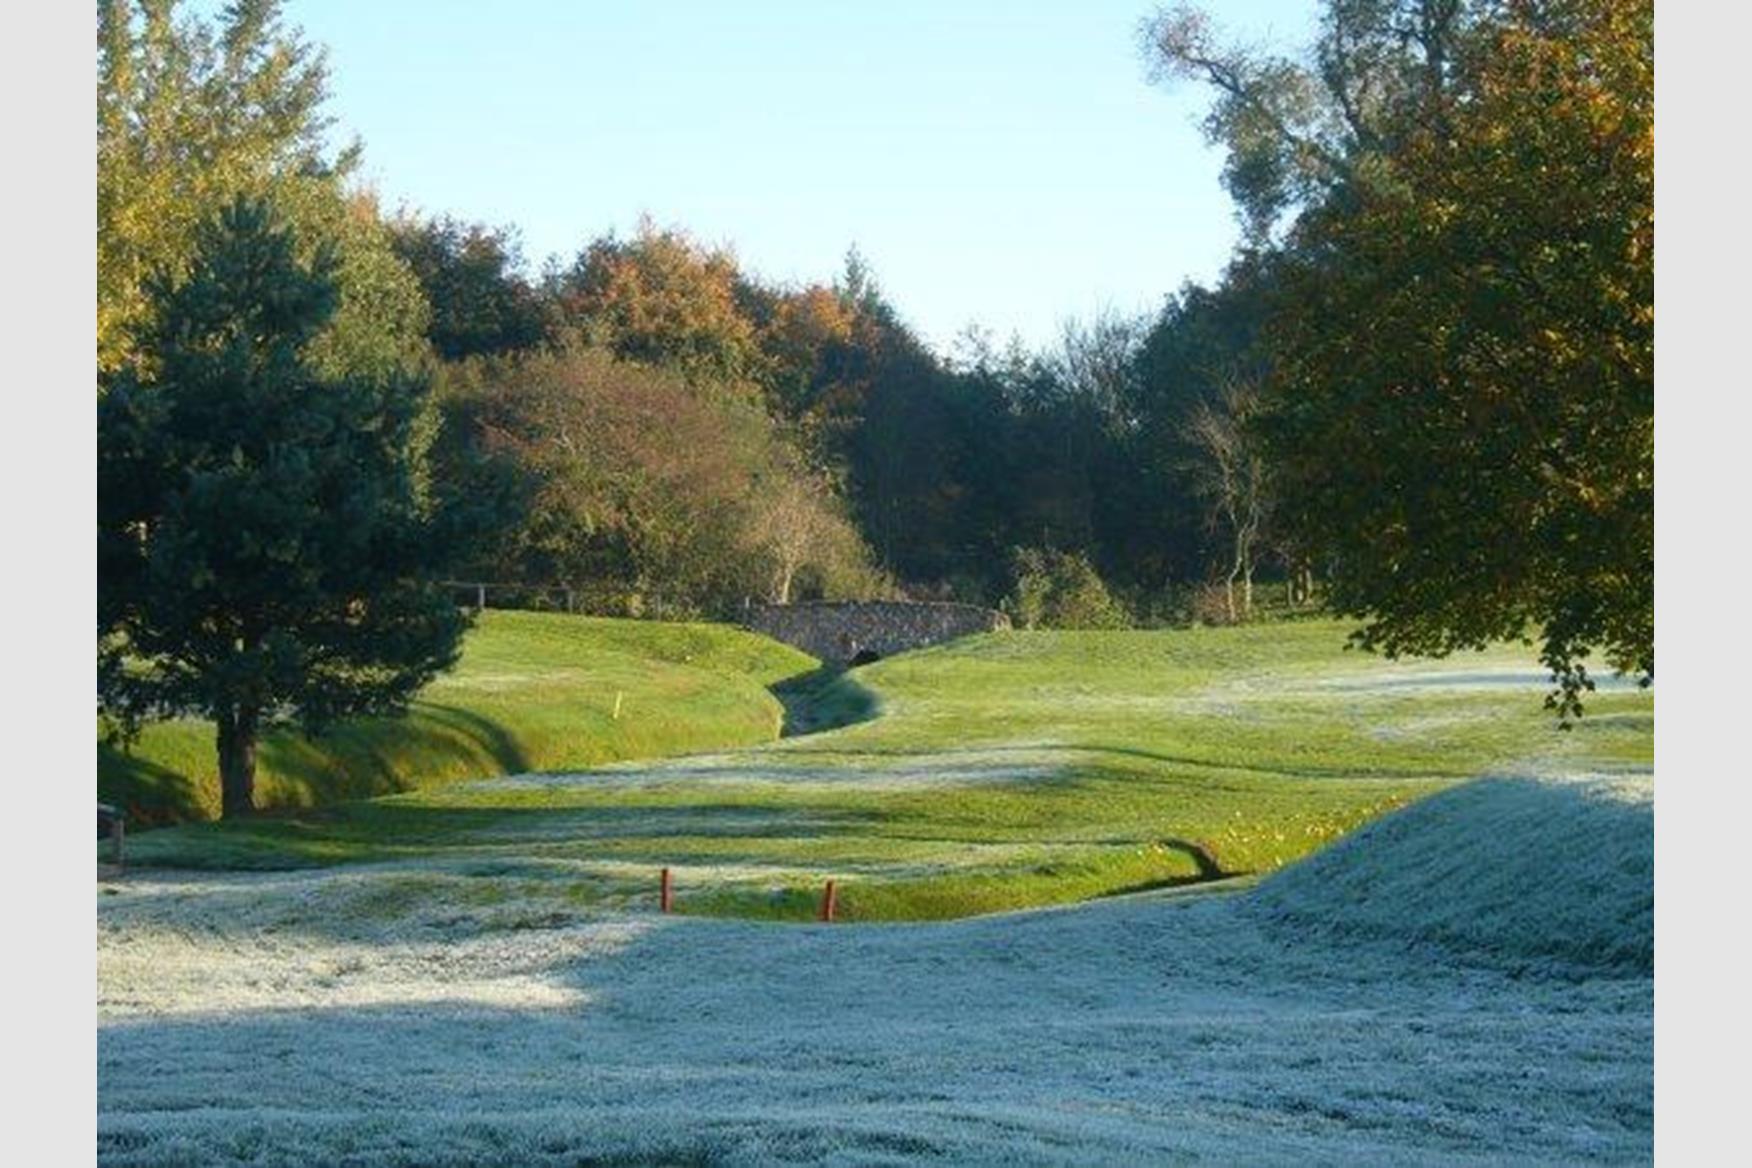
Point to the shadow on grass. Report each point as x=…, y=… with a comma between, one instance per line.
x=296, y=771
x=824, y=698
x=150, y=795
x=928, y=801
x=918, y=1020
x=382, y=756
x=368, y=831
x=1300, y=770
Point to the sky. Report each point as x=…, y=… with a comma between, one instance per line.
x=1005, y=164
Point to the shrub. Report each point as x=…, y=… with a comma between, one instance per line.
x=1060, y=590
x=1210, y=605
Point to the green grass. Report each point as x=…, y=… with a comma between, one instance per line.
x=1000, y=772
x=533, y=691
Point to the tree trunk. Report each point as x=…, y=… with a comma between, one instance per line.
x=786, y=571
x=237, y=762
x=1235, y=569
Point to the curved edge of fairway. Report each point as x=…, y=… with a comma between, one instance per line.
x=532, y=692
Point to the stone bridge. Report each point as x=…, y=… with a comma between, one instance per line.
x=853, y=632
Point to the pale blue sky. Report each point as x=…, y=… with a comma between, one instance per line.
x=1004, y=163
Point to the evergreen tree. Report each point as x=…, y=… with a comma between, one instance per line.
x=266, y=549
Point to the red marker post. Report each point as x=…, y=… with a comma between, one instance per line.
x=666, y=895
x=829, y=903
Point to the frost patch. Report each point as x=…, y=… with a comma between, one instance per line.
x=232, y=946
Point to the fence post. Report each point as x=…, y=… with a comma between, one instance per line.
x=480, y=598
x=829, y=903
x=666, y=892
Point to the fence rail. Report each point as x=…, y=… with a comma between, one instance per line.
x=479, y=589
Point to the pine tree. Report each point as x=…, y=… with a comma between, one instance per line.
x=266, y=551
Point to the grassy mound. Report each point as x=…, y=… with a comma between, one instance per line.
x=1538, y=876
x=533, y=691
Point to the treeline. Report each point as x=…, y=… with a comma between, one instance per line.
x=1423, y=387
x=661, y=431
x=672, y=431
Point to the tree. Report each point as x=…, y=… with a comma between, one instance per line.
x=789, y=524
x=266, y=549
x=639, y=481
x=191, y=115
x=1297, y=133
x=1231, y=474
x=481, y=304
x=1460, y=406
x=662, y=299
x=806, y=339
x=1201, y=340
x=1060, y=590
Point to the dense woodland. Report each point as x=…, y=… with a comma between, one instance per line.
x=1421, y=394
x=665, y=432
x=673, y=434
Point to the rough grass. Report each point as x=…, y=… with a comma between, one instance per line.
x=1000, y=772
x=533, y=691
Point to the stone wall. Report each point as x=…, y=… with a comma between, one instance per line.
x=854, y=631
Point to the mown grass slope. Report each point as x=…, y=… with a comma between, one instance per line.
x=1003, y=771
x=533, y=691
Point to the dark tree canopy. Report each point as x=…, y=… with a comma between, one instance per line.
x=266, y=549
x=481, y=303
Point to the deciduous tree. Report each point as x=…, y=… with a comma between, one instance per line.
x=663, y=299
x=640, y=481
x=191, y=114
x=481, y=303
x=1460, y=404
x=1231, y=474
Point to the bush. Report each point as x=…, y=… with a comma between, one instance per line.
x=1210, y=605
x=1060, y=590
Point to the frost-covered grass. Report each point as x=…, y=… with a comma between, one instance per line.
x=1000, y=772
x=533, y=691
x=1465, y=981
